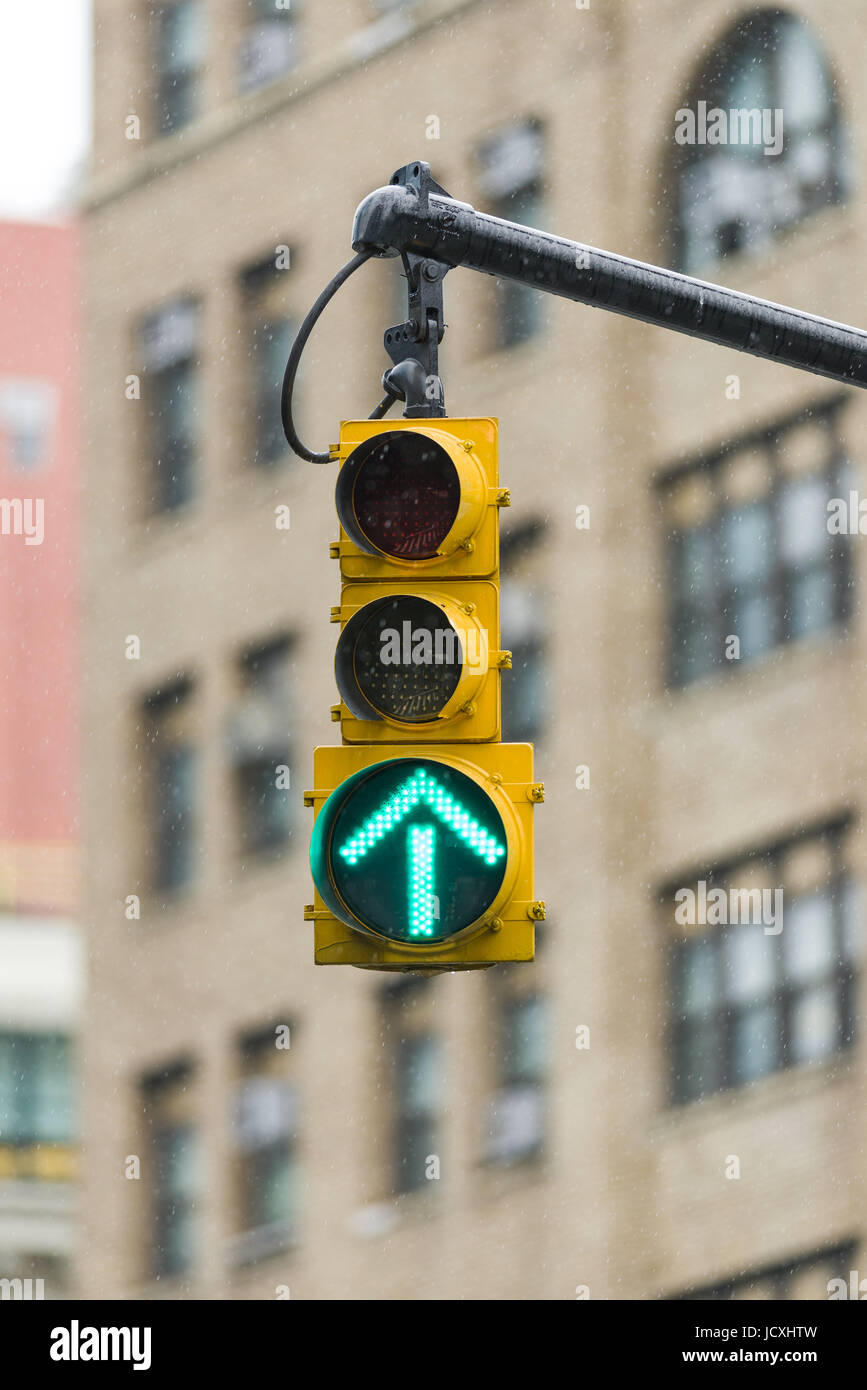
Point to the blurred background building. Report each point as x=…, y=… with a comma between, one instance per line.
x=41, y=950
x=254, y=1125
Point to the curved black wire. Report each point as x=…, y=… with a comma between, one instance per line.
x=295, y=357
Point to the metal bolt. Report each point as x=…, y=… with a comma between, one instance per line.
x=536, y=792
x=536, y=911
x=496, y=924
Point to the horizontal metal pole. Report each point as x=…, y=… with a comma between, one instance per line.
x=395, y=218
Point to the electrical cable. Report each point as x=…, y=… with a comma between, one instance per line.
x=295, y=357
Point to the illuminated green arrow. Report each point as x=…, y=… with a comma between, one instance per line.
x=421, y=789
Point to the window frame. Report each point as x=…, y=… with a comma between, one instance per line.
x=720, y=1021
x=838, y=561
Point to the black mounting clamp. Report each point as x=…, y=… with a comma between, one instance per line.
x=413, y=346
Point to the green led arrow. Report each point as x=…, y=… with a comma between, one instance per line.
x=411, y=848
x=421, y=788
x=420, y=859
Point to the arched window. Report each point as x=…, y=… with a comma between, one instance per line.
x=759, y=145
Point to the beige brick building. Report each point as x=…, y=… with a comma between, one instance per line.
x=255, y=1125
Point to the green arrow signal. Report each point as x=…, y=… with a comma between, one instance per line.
x=412, y=849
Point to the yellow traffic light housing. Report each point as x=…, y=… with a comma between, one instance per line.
x=418, y=499
x=452, y=837
x=419, y=666
x=422, y=846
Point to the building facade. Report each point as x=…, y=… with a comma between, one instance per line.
x=41, y=976
x=670, y=1101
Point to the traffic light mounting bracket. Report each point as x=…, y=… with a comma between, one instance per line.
x=412, y=215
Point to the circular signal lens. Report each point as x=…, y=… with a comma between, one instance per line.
x=403, y=657
x=406, y=495
x=413, y=849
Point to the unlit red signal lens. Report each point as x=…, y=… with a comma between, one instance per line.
x=406, y=496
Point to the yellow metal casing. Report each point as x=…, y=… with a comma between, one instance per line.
x=471, y=548
x=506, y=932
x=472, y=713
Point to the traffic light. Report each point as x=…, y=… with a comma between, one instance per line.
x=422, y=846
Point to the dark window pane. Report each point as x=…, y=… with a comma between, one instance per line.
x=815, y=1025
x=756, y=1036
x=749, y=969
x=809, y=950
x=698, y=1070
x=696, y=976
x=36, y=1095
x=417, y=1105
x=266, y=809
x=812, y=603
x=180, y=49
x=174, y=792
x=751, y=620
x=176, y=1172
x=269, y=46
x=174, y=434
x=271, y=345
x=696, y=646
x=804, y=537
x=693, y=564
x=746, y=553
x=525, y=1040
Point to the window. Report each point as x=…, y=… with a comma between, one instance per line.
x=269, y=46
x=172, y=761
x=732, y=194
x=417, y=1078
x=169, y=347
x=259, y=741
x=36, y=1100
x=802, y=1280
x=750, y=553
x=265, y=1124
x=516, y=1111
x=511, y=184
x=764, y=977
x=171, y=1142
x=27, y=410
x=269, y=332
x=180, y=54
x=524, y=632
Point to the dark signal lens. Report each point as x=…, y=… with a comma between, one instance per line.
x=407, y=659
x=406, y=496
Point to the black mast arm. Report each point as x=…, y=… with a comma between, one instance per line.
x=413, y=216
